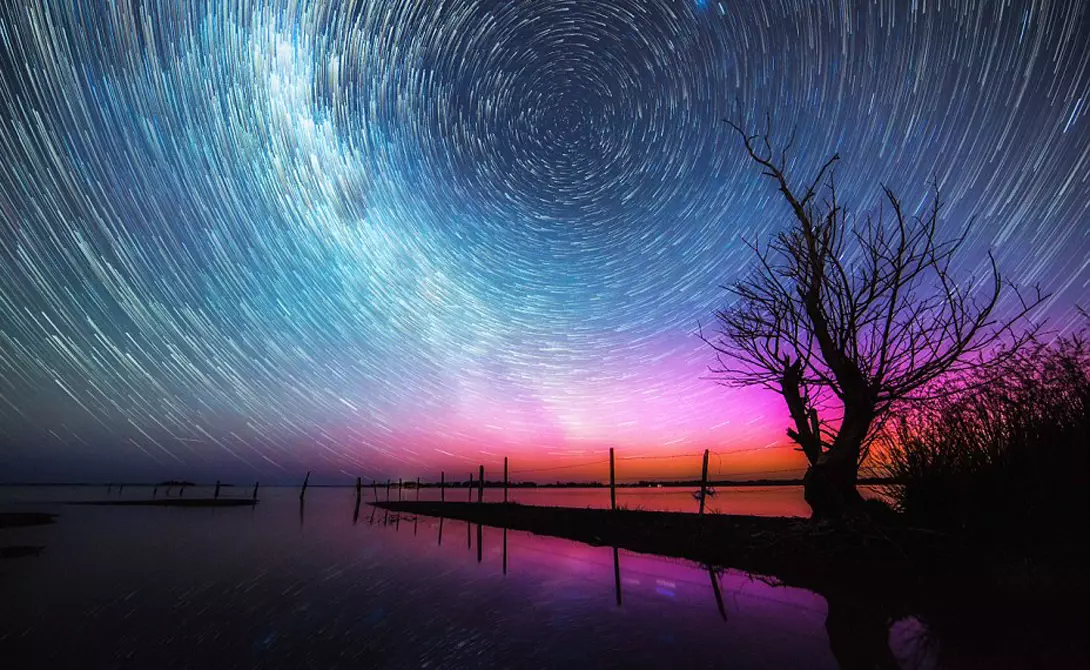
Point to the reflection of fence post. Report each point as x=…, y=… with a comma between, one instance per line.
x=442, y=487
x=703, y=482
x=480, y=485
x=612, y=486
x=718, y=593
x=505, y=479
x=617, y=574
x=303, y=491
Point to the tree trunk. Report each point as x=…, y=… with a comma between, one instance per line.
x=829, y=487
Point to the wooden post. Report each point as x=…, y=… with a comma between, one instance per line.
x=359, y=486
x=400, y=486
x=505, y=479
x=703, y=482
x=256, y=485
x=154, y=492
x=374, y=488
x=480, y=485
x=471, y=487
x=418, y=489
x=442, y=488
x=216, y=495
x=387, y=490
x=612, y=491
x=181, y=491
x=303, y=491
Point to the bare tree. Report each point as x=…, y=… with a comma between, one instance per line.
x=846, y=319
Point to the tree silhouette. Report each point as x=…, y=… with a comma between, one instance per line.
x=846, y=319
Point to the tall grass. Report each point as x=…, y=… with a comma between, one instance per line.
x=1007, y=455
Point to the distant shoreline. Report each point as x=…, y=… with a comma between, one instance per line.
x=489, y=484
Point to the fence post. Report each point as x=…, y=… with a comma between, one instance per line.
x=505, y=479
x=374, y=488
x=216, y=495
x=256, y=484
x=418, y=489
x=480, y=485
x=400, y=486
x=387, y=490
x=303, y=491
x=703, y=482
x=470, y=487
x=612, y=483
x=442, y=488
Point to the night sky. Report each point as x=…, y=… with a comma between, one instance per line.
x=387, y=238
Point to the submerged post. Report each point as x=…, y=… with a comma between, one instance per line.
x=612, y=483
x=216, y=495
x=303, y=491
x=480, y=485
x=703, y=482
x=359, y=486
x=504, y=479
x=442, y=487
x=256, y=484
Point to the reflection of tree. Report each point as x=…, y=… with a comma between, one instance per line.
x=858, y=634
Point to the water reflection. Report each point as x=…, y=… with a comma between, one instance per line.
x=219, y=588
x=858, y=636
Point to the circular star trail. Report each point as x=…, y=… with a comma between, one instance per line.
x=383, y=237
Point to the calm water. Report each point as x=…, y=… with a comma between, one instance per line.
x=277, y=586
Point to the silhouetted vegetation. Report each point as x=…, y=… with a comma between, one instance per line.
x=848, y=318
x=1001, y=454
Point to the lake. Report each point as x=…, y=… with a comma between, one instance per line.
x=280, y=586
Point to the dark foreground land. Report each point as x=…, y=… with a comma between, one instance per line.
x=176, y=502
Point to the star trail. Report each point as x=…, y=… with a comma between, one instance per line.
x=385, y=237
